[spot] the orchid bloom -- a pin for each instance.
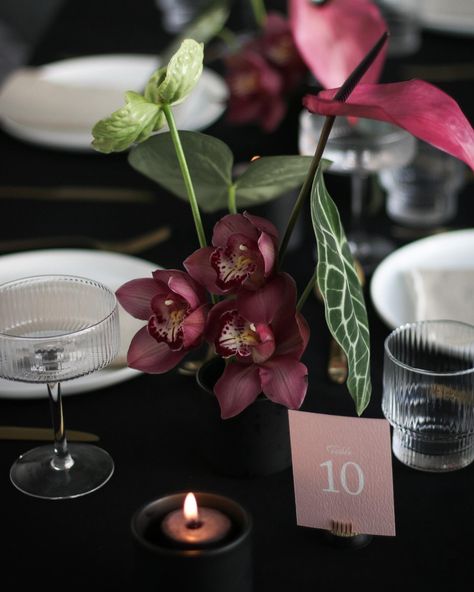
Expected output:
(334, 37)
(243, 255)
(264, 338)
(255, 90)
(175, 307)
(417, 106)
(279, 48)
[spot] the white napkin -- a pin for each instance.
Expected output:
(442, 294)
(33, 101)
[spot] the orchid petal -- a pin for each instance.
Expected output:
(233, 224)
(262, 224)
(149, 356)
(266, 247)
(284, 381)
(291, 336)
(416, 106)
(136, 295)
(334, 37)
(261, 306)
(237, 388)
(266, 344)
(187, 288)
(193, 327)
(212, 326)
(233, 264)
(198, 265)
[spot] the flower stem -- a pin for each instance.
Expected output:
(232, 202)
(186, 176)
(307, 291)
(306, 189)
(259, 11)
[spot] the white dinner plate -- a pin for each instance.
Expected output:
(57, 105)
(456, 16)
(111, 269)
(388, 289)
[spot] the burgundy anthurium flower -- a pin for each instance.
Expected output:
(334, 36)
(243, 255)
(264, 337)
(255, 90)
(175, 307)
(417, 106)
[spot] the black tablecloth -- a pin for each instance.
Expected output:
(146, 424)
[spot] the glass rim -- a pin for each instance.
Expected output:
(63, 277)
(408, 326)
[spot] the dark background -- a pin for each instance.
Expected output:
(146, 424)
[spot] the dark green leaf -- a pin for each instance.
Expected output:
(346, 314)
(209, 162)
(269, 177)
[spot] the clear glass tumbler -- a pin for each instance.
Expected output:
(428, 394)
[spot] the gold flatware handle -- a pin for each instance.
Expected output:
(337, 365)
(27, 433)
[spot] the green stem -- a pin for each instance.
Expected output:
(232, 202)
(307, 291)
(186, 176)
(306, 189)
(229, 38)
(259, 11)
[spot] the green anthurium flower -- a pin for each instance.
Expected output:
(143, 115)
(174, 83)
(132, 123)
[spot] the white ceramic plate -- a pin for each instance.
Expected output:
(70, 96)
(449, 250)
(456, 16)
(112, 269)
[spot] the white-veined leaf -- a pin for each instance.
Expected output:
(346, 315)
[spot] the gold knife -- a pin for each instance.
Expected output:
(29, 433)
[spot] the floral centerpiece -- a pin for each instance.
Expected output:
(234, 291)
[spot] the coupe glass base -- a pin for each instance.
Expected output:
(34, 474)
(432, 455)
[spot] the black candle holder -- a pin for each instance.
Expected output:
(160, 563)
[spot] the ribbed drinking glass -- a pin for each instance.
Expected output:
(428, 394)
(55, 328)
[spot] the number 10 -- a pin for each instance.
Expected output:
(343, 477)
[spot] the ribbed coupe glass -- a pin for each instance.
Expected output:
(428, 394)
(55, 328)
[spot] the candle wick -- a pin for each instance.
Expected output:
(194, 524)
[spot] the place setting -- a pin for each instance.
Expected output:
(261, 427)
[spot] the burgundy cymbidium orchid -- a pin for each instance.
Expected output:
(175, 307)
(263, 338)
(242, 257)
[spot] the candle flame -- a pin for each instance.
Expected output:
(190, 509)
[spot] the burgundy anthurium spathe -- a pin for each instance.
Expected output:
(416, 106)
(333, 37)
(263, 337)
(243, 255)
(175, 307)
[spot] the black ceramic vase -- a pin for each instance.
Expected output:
(254, 443)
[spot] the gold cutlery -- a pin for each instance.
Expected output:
(33, 433)
(133, 245)
(79, 193)
(337, 362)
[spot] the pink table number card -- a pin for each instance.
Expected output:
(342, 471)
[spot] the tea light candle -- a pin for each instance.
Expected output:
(201, 545)
(195, 528)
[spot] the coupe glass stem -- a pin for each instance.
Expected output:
(61, 460)
(358, 195)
